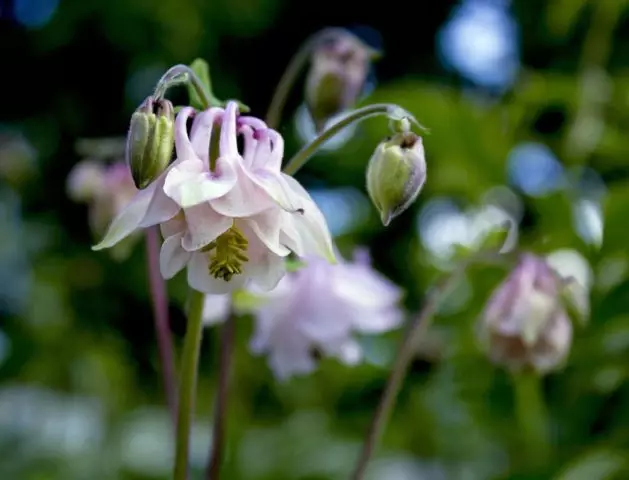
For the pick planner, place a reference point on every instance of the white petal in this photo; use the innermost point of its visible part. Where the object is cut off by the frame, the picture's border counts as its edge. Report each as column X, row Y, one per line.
column 246, row 198
column 201, row 133
column 177, row 224
column 250, row 146
column 270, row 152
column 365, row 287
column 310, row 227
column 183, row 147
column 161, row 208
column 266, row 226
column 228, row 143
column 216, row 308
column 189, row 183
column 349, row 352
column 264, row 267
column 200, row 279
column 172, row 258
column 204, row 226
column 128, row 219
column 288, row 363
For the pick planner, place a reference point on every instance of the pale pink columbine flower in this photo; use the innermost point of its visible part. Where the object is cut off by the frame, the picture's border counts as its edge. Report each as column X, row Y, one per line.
column 107, row 189
column 525, row 324
column 227, row 215
column 318, row 309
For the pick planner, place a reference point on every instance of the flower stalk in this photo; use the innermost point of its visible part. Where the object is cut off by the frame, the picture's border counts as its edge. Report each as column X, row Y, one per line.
column 188, row 385
column 391, row 110
column 215, row 460
column 183, row 75
column 160, row 314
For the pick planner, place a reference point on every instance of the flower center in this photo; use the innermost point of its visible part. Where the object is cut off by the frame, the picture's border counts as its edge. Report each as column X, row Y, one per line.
column 228, row 254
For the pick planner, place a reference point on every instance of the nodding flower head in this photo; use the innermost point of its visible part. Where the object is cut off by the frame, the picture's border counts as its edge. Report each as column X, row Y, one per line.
column 228, row 213
column 339, row 68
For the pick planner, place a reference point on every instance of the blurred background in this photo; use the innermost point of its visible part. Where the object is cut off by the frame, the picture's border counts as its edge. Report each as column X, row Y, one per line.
column 528, row 106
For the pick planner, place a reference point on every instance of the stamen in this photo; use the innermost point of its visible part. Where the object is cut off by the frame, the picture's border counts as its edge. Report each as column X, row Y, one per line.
column 228, row 253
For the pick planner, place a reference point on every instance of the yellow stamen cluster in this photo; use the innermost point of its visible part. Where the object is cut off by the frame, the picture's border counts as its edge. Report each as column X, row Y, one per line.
column 228, row 253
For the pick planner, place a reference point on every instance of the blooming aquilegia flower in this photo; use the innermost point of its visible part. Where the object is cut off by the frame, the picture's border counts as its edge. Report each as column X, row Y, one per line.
column 227, row 214
column 318, row 309
column 107, row 189
column 525, row 324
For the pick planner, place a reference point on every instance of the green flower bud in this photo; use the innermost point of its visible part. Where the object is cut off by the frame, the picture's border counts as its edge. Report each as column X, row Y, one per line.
column 150, row 140
column 396, row 174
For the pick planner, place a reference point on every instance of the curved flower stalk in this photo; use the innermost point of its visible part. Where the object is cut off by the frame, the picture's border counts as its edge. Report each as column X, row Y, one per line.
column 107, row 189
column 228, row 215
column 318, row 310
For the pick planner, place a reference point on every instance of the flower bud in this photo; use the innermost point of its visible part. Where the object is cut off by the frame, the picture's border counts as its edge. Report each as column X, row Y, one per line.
column 396, row 174
column 150, row 140
column 525, row 325
column 339, row 68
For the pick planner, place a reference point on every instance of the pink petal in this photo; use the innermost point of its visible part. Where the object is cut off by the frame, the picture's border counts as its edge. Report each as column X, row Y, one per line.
column 161, row 208
column 270, row 157
column 172, row 258
column 250, row 147
column 228, row 144
column 183, row 147
column 200, row 279
column 177, row 224
column 201, row 133
column 190, row 183
column 204, row 226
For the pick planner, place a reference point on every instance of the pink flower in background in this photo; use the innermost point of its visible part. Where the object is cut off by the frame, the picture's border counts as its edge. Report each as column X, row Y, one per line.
column 107, row 189
column 318, row 309
column 226, row 215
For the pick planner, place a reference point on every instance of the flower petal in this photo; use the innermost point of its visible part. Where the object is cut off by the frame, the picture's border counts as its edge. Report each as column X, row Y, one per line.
column 201, row 133
column 250, row 146
column 204, row 226
column 177, row 224
column 266, row 226
column 200, row 279
column 270, row 151
column 172, row 258
column 308, row 231
column 264, row 267
column 128, row 219
column 228, row 143
column 246, row 198
column 189, row 183
column 216, row 309
column 161, row 208
column 183, row 146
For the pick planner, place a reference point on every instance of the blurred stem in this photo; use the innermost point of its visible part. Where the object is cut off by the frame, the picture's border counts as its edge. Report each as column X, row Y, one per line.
column 180, row 75
column 291, row 73
column 215, row 461
column 160, row 315
column 302, row 157
column 416, row 331
column 532, row 417
column 187, row 391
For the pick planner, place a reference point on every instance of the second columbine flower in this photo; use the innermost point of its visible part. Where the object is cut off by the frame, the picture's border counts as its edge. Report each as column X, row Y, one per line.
column 228, row 214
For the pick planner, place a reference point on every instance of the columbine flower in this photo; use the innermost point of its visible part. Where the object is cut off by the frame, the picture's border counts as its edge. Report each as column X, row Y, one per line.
column 107, row 189
column 318, row 309
column 226, row 215
column 525, row 324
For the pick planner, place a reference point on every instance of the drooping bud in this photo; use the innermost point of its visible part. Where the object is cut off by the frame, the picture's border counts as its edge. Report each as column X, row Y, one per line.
column 150, row 140
column 338, row 71
column 396, row 174
column 525, row 325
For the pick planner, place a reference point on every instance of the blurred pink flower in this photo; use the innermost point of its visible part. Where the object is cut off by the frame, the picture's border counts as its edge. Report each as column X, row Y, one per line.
column 318, row 309
column 228, row 217
column 107, row 189
column 525, row 324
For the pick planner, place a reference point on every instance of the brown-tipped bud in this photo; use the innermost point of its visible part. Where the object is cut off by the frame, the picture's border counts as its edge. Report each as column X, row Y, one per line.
column 338, row 71
column 396, row 174
column 150, row 140
column 525, row 325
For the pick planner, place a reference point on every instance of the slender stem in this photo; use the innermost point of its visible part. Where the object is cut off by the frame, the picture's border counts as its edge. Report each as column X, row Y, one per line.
column 160, row 314
column 301, row 157
column 213, row 470
column 178, row 75
column 532, row 417
column 187, row 391
column 416, row 330
column 291, row 73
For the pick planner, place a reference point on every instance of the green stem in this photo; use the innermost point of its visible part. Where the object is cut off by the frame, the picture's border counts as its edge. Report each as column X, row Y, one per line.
column 302, row 157
column 532, row 417
column 291, row 73
column 188, row 386
column 179, row 75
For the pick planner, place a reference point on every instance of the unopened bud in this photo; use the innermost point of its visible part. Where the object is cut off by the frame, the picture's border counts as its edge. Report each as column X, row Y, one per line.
column 338, row 72
column 525, row 325
column 396, row 174
column 150, row 140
